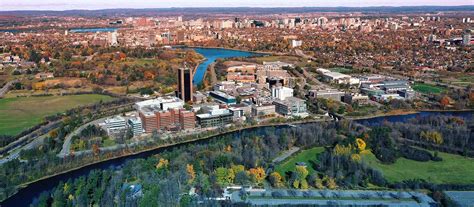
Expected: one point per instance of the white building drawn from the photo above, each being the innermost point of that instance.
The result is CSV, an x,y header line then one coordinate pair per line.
x,y
291,107
281,93
296,43
136,126
115,124
163,103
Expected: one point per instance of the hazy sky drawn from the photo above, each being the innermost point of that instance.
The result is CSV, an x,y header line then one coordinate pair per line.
x,y
103,4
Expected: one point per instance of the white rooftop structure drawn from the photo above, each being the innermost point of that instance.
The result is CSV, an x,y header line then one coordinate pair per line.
x,y
163,103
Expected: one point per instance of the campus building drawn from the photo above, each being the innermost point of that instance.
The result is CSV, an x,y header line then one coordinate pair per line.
x,y
135,125
222,97
115,125
185,84
281,93
215,118
291,106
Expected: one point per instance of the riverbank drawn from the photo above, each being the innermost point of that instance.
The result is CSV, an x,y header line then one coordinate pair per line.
x,y
139,153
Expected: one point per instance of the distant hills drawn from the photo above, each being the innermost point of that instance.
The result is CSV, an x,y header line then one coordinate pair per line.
x,y
239,10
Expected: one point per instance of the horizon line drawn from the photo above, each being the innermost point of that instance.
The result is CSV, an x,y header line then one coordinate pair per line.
x,y
235,7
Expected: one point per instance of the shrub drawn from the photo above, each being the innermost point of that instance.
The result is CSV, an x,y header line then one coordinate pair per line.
x,y
415,154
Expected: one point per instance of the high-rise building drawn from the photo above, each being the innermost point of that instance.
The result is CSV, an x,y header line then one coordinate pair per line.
x,y
466,37
185,84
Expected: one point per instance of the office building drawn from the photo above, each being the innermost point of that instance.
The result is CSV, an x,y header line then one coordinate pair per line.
x,y
187,119
263,110
466,37
161,103
135,125
327,94
185,84
149,122
281,93
222,97
115,125
292,106
215,118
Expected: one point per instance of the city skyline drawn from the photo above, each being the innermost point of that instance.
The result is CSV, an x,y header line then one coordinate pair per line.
x,y
94,5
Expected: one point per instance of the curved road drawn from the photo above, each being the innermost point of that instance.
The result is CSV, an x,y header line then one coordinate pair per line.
x,y
67,141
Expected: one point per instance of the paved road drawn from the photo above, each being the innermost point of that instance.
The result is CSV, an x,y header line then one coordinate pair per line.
x,y
67,141
286,154
6,87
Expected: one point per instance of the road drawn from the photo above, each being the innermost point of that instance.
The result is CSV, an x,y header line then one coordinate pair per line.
x,y
6,87
67,141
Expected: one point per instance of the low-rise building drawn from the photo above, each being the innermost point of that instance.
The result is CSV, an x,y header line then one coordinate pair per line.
x,y
222,97
291,106
263,110
215,118
115,125
327,94
356,98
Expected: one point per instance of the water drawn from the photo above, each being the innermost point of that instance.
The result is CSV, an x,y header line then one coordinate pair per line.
x,y
211,55
92,30
26,195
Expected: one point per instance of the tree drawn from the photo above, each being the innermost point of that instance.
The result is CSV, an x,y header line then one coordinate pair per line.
x,y
258,174
276,180
242,178
95,149
224,176
163,163
300,177
191,173
330,182
444,101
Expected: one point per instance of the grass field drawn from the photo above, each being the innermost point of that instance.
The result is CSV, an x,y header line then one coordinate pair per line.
x,y
18,114
454,169
302,156
427,88
341,70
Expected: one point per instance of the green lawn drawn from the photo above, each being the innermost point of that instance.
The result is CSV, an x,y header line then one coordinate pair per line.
x,y
18,114
302,156
454,169
427,88
341,70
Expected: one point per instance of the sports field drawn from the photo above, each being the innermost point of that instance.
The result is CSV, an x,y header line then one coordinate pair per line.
x,y
18,114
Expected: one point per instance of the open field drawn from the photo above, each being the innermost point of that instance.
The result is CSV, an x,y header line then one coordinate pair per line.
x,y
287,59
302,156
18,114
341,70
427,88
454,169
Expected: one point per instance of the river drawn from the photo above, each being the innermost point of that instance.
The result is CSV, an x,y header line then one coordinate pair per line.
x,y
92,30
211,55
26,195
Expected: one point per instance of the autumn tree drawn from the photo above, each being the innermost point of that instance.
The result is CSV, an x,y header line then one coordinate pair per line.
x,y
444,101
300,177
258,174
276,180
191,173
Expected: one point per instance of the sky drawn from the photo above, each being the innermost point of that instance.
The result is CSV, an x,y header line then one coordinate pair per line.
x,y
6,5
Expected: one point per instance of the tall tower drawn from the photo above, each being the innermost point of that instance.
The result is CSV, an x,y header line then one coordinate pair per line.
x,y
466,37
185,84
